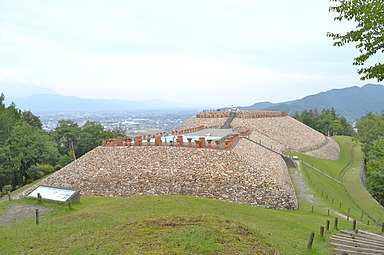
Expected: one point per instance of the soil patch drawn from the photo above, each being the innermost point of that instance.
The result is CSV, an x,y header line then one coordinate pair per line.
x,y
20,212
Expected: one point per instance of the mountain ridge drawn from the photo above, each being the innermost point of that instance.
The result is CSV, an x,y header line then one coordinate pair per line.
x,y
350,102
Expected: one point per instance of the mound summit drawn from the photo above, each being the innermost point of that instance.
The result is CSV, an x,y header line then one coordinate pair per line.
x,y
246,165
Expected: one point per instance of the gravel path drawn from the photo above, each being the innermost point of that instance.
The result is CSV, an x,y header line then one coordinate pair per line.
x,y
302,188
21,212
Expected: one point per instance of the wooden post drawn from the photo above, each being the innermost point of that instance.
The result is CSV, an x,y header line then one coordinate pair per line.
x,y
37,217
312,208
362,214
70,204
39,198
321,231
328,212
368,222
349,209
310,240
336,221
354,225
9,196
340,206
327,225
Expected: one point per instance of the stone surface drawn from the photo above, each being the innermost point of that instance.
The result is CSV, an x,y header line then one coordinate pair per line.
x,y
247,173
330,150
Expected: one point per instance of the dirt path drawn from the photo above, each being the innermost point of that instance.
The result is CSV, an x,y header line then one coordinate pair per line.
x,y
303,188
21,212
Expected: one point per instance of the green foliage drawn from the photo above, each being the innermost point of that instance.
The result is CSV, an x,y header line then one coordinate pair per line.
x,y
90,136
326,122
32,119
370,128
371,136
38,171
67,135
75,141
368,16
6,188
23,144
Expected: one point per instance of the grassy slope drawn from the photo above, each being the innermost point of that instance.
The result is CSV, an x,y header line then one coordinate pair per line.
x,y
177,225
351,194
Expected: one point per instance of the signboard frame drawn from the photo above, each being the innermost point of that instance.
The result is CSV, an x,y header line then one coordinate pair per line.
x,y
55,194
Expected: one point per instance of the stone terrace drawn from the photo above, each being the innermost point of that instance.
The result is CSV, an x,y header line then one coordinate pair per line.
x,y
236,176
247,173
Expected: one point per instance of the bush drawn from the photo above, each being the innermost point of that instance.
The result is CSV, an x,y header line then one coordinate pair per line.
x,y
38,171
7,188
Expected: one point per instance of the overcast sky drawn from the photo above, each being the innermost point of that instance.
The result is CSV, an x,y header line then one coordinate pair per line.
x,y
219,51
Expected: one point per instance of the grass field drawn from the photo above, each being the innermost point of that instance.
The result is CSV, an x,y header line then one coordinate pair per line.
x,y
190,225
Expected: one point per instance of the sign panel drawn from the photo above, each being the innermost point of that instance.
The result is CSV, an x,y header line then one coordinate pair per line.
x,y
55,194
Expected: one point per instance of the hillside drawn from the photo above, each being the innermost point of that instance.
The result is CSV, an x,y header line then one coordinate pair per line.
x,y
352,102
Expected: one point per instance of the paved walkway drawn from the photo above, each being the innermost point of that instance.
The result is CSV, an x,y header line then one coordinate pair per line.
x,y
213,132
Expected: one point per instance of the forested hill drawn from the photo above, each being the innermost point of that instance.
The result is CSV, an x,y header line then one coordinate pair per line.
x,y
352,102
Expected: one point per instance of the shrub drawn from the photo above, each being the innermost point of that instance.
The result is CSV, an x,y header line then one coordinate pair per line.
x,y
7,188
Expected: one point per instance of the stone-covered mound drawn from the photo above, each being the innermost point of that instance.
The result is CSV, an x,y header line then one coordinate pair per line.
x,y
284,132
290,133
235,175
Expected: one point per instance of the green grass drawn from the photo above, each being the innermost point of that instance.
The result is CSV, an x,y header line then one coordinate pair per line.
x,y
163,224
188,225
351,194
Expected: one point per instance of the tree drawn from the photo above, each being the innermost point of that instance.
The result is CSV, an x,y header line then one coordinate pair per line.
x,y
368,35
67,135
370,128
326,122
28,146
90,137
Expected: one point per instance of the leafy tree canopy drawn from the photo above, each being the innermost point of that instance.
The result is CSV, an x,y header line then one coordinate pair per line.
x,y
368,15
326,122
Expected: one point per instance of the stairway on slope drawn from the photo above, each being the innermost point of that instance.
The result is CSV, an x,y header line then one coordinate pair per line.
x,y
360,242
228,122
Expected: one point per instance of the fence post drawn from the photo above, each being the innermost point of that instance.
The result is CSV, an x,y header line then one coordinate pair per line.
x,y
310,240
37,217
336,221
354,225
327,225
328,212
321,231
9,196
312,208
39,198
349,210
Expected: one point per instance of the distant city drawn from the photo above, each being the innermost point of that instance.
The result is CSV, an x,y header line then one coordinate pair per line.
x,y
131,122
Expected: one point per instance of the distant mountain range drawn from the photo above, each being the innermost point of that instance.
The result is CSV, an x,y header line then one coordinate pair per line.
x,y
352,102
36,99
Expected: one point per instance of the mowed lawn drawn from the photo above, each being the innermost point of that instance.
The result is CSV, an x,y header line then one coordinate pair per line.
x,y
175,225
